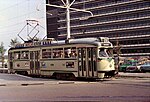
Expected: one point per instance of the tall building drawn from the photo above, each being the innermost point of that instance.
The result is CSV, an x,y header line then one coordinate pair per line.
x,y
125,22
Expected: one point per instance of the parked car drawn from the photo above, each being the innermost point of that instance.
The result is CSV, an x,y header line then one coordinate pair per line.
x,y
134,68
145,67
128,65
123,67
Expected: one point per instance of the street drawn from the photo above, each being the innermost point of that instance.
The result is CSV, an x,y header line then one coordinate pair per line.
x,y
18,88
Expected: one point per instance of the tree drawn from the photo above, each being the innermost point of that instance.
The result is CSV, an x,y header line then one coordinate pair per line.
x,y
2,52
13,42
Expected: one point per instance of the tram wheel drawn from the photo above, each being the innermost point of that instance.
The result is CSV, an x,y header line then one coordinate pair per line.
x,y
58,76
72,77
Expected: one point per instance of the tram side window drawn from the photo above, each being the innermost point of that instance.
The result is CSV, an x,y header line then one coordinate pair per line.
x,y
10,56
46,53
70,52
58,53
24,55
73,53
17,55
82,53
94,52
79,53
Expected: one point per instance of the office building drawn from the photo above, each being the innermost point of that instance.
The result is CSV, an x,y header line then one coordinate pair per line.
x,y
125,22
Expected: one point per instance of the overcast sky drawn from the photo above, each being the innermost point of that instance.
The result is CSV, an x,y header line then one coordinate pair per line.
x,y
13,16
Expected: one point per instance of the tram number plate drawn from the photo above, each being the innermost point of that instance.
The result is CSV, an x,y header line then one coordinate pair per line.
x,y
69,64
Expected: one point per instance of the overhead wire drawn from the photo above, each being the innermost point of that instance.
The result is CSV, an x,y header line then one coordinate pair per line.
x,y
10,7
16,17
14,21
17,24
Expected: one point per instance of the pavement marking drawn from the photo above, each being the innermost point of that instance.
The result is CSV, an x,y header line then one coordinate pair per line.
x,y
23,76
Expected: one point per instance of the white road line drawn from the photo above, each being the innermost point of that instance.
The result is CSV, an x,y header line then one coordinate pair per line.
x,y
23,76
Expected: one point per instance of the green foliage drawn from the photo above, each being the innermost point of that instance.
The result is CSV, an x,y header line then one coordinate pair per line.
x,y
2,49
13,42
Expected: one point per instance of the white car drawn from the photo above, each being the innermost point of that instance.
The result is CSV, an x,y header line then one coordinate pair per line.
x,y
145,67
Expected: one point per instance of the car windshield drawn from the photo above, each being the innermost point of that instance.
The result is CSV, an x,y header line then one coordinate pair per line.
x,y
146,63
104,52
134,63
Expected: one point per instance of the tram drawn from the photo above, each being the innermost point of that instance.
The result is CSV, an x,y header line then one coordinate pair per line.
x,y
75,58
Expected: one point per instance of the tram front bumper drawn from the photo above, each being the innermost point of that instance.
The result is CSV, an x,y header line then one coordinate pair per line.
x,y
106,74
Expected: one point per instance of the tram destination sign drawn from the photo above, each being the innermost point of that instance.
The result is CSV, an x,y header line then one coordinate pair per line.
x,y
105,44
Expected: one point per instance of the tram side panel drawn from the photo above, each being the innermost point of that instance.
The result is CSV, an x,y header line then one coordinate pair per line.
x,y
49,67
18,62
21,67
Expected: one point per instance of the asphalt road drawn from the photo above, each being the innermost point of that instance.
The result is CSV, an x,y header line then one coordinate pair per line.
x,y
16,88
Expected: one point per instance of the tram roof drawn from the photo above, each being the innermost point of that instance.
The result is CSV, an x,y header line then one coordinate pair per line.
x,y
79,41
91,40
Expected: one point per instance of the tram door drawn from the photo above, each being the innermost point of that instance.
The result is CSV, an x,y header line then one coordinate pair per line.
x,y
87,62
34,62
10,62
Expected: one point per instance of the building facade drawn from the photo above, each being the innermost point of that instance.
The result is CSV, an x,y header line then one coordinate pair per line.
x,y
125,22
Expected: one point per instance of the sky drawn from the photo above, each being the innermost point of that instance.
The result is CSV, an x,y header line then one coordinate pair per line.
x,y
13,16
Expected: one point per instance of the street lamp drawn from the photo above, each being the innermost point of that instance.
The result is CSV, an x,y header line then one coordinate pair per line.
x,y
67,6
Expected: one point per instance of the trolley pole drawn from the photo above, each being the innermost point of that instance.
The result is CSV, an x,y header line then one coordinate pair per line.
x,y
67,6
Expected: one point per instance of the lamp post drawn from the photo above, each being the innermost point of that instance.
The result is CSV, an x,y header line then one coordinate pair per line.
x,y
68,18
67,6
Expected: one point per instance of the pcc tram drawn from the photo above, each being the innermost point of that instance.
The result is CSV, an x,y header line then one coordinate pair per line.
x,y
78,58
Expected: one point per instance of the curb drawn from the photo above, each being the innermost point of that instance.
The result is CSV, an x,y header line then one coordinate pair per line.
x,y
133,75
2,84
42,83
65,82
32,84
126,76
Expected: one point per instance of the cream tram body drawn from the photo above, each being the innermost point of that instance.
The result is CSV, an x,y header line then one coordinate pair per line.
x,y
86,57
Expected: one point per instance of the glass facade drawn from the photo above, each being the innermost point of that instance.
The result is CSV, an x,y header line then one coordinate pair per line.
x,y
125,22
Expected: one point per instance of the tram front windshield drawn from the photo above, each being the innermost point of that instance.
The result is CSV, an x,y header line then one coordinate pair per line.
x,y
105,52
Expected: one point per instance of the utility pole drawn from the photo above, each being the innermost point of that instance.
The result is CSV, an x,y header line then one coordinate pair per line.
x,y
67,5
68,18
